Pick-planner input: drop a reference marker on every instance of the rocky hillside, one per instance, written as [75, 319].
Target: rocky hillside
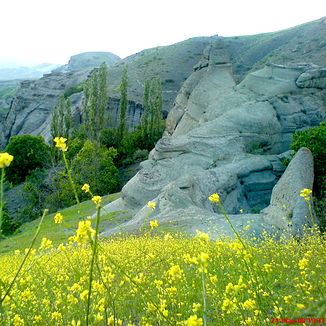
[175, 63]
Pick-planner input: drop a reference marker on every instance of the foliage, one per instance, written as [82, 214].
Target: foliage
[314, 139]
[30, 152]
[95, 166]
[91, 164]
[73, 90]
[8, 226]
[152, 125]
[122, 127]
[35, 192]
[96, 99]
[61, 118]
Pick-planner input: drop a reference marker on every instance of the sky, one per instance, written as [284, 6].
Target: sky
[52, 31]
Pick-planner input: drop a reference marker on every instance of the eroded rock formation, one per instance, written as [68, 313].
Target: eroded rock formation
[227, 139]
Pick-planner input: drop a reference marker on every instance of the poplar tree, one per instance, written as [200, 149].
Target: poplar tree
[61, 118]
[96, 99]
[122, 126]
[145, 117]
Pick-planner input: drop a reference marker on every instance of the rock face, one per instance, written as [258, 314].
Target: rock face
[225, 139]
[31, 109]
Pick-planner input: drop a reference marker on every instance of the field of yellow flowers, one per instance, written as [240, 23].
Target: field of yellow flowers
[171, 279]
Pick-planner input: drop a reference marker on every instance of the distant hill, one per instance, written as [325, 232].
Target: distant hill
[11, 71]
[89, 60]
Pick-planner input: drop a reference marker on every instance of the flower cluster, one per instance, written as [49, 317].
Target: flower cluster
[5, 160]
[83, 232]
[61, 143]
[306, 194]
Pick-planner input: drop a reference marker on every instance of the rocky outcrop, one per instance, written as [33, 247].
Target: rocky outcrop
[223, 138]
[31, 109]
[286, 201]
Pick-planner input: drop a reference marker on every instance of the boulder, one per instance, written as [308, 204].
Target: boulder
[286, 201]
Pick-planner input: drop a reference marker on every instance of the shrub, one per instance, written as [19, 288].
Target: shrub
[314, 139]
[30, 152]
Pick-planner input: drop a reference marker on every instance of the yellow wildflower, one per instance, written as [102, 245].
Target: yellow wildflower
[58, 218]
[287, 299]
[46, 244]
[203, 258]
[151, 205]
[300, 306]
[153, 224]
[249, 304]
[215, 198]
[5, 160]
[61, 143]
[306, 194]
[97, 199]
[85, 187]
[195, 307]
[303, 263]
[202, 236]
[84, 227]
[98, 318]
[84, 295]
[61, 247]
[194, 321]
[229, 288]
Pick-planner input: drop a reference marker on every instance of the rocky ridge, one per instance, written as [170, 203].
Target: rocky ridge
[227, 139]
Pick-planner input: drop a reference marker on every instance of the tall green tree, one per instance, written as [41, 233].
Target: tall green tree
[145, 117]
[61, 118]
[95, 103]
[122, 126]
[156, 124]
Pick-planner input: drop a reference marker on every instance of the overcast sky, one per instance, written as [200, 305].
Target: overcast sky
[53, 31]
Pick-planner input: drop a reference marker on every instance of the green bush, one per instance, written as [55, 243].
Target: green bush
[8, 225]
[315, 140]
[30, 152]
[73, 90]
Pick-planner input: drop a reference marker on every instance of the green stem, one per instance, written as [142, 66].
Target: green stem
[73, 185]
[94, 253]
[204, 295]
[233, 229]
[25, 258]
[312, 216]
[2, 202]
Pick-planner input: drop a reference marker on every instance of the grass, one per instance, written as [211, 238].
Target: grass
[8, 92]
[58, 232]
